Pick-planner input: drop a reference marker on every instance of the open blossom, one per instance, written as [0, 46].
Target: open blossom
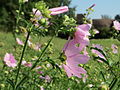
[72, 51]
[10, 60]
[19, 41]
[116, 25]
[74, 58]
[81, 35]
[58, 10]
[96, 52]
[114, 48]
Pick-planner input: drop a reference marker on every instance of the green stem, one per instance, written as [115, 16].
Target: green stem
[41, 54]
[19, 64]
[34, 65]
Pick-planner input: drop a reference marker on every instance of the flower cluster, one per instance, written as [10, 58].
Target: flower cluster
[10, 60]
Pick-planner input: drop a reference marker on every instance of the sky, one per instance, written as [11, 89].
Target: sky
[103, 7]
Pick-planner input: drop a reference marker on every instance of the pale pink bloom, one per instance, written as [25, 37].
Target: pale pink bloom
[114, 48]
[41, 88]
[30, 43]
[58, 10]
[10, 60]
[74, 58]
[38, 67]
[37, 14]
[72, 51]
[71, 48]
[81, 34]
[19, 41]
[116, 25]
[68, 89]
[97, 52]
[27, 64]
[24, 62]
[74, 71]
[96, 31]
[47, 78]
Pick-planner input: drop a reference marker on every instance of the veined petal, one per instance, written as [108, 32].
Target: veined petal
[71, 48]
[68, 71]
[77, 59]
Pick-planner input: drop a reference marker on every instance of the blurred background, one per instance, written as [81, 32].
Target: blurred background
[105, 12]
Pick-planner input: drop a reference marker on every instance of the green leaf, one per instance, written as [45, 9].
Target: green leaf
[11, 83]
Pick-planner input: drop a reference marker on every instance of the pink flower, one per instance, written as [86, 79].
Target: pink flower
[19, 41]
[41, 88]
[81, 35]
[40, 72]
[114, 48]
[38, 67]
[74, 71]
[10, 60]
[116, 25]
[37, 14]
[74, 58]
[47, 78]
[97, 52]
[58, 10]
[27, 64]
[72, 51]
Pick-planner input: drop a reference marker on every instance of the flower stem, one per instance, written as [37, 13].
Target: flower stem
[34, 65]
[23, 51]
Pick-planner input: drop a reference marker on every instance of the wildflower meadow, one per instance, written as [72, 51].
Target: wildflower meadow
[34, 57]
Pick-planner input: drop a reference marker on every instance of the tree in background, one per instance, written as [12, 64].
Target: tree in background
[8, 11]
[105, 17]
[7, 14]
[117, 17]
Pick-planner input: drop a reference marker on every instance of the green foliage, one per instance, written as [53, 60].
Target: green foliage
[105, 32]
[96, 71]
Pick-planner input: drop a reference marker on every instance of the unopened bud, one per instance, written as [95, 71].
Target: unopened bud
[103, 87]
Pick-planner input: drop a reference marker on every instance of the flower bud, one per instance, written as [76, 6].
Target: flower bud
[103, 87]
